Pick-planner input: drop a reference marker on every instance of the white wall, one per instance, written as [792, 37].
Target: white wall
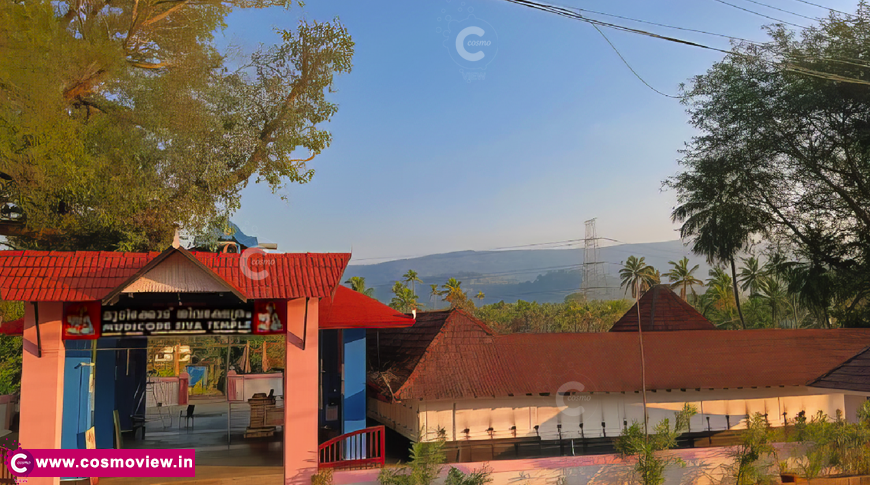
[547, 412]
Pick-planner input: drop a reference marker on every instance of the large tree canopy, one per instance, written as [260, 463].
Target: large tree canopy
[120, 120]
[783, 154]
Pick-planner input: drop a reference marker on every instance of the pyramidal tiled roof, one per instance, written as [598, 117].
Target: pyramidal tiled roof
[662, 310]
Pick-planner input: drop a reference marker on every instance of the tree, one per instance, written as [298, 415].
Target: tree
[358, 284]
[751, 274]
[772, 291]
[404, 298]
[783, 151]
[121, 120]
[682, 277]
[480, 295]
[455, 295]
[637, 275]
[412, 278]
[719, 297]
[645, 448]
[434, 293]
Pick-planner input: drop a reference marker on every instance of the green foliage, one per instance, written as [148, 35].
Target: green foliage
[423, 468]
[404, 298]
[682, 277]
[650, 465]
[637, 276]
[322, 477]
[11, 353]
[782, 155]
[834, 444]
[358, 284]
[120, 122]
[574, 315]
[476, 477]
[11, 349]
[755, 454]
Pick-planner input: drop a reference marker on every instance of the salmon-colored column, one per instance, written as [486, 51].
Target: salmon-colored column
[42, 382]
[301, 386]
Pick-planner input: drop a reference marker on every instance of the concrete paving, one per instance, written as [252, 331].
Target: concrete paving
[207, 434]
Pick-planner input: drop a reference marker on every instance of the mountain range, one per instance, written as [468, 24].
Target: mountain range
[542, 275]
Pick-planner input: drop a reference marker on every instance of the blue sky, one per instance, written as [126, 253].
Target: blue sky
[558, 132]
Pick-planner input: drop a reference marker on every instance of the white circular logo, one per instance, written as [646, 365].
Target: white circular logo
[472, 42]
[568, 396]
[250, 267]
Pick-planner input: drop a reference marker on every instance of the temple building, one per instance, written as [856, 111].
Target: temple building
[569, 392]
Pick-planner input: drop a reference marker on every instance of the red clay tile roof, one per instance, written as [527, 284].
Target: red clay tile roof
[456, 357]
[662, 310]
[351, 309]
[852, 375]
[90, 275]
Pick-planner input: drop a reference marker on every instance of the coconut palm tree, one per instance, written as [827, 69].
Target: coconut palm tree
[637, 276]
[453, 292]
[682, 277]
[718, 222]
[358, 284]
[404, 299]
[751, 274]
[719, 295]
[774, 293]
[434, 292]
[412, 278]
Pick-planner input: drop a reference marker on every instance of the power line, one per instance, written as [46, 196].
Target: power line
[631, 68]
[565, 12]
[824, 7]
[760, 14]
[783, 10]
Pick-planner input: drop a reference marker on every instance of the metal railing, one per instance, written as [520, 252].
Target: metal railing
[360, 449]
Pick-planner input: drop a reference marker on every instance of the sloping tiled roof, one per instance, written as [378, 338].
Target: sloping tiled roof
[662, 310]
[464, 360]
[351, 309]
[91, 275]
[852, 375]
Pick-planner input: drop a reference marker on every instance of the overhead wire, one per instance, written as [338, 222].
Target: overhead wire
[824, 7]
[761, 14]
[631, 68]
[783, 10]
[568, 13]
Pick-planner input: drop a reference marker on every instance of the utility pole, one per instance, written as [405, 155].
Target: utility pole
[593, 271]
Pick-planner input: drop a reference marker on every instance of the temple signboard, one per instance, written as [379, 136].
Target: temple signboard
[176, 321]
[88, 320]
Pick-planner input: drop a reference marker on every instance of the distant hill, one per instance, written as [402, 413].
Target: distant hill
[543, 275]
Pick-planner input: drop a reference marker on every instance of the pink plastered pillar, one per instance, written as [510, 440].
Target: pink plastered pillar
[301, 387]
[42, 382]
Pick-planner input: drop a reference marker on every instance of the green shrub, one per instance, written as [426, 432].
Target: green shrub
[645, 448]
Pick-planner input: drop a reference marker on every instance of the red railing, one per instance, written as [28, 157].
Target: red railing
[359, 449]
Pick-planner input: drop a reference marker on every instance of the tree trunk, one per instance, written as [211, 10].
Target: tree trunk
[736, 293]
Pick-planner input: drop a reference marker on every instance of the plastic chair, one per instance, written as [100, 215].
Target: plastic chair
[188, 418]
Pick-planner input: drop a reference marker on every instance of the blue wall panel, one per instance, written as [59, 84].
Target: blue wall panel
[354, 397]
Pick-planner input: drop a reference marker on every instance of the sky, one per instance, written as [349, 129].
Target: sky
[432, 154]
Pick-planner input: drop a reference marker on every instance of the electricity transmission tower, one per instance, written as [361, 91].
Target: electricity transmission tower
[593, 271]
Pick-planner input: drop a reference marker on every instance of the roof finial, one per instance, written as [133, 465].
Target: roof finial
[176, 239]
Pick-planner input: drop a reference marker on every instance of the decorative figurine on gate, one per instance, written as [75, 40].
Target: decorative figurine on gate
[81, 320]
[270, 316]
